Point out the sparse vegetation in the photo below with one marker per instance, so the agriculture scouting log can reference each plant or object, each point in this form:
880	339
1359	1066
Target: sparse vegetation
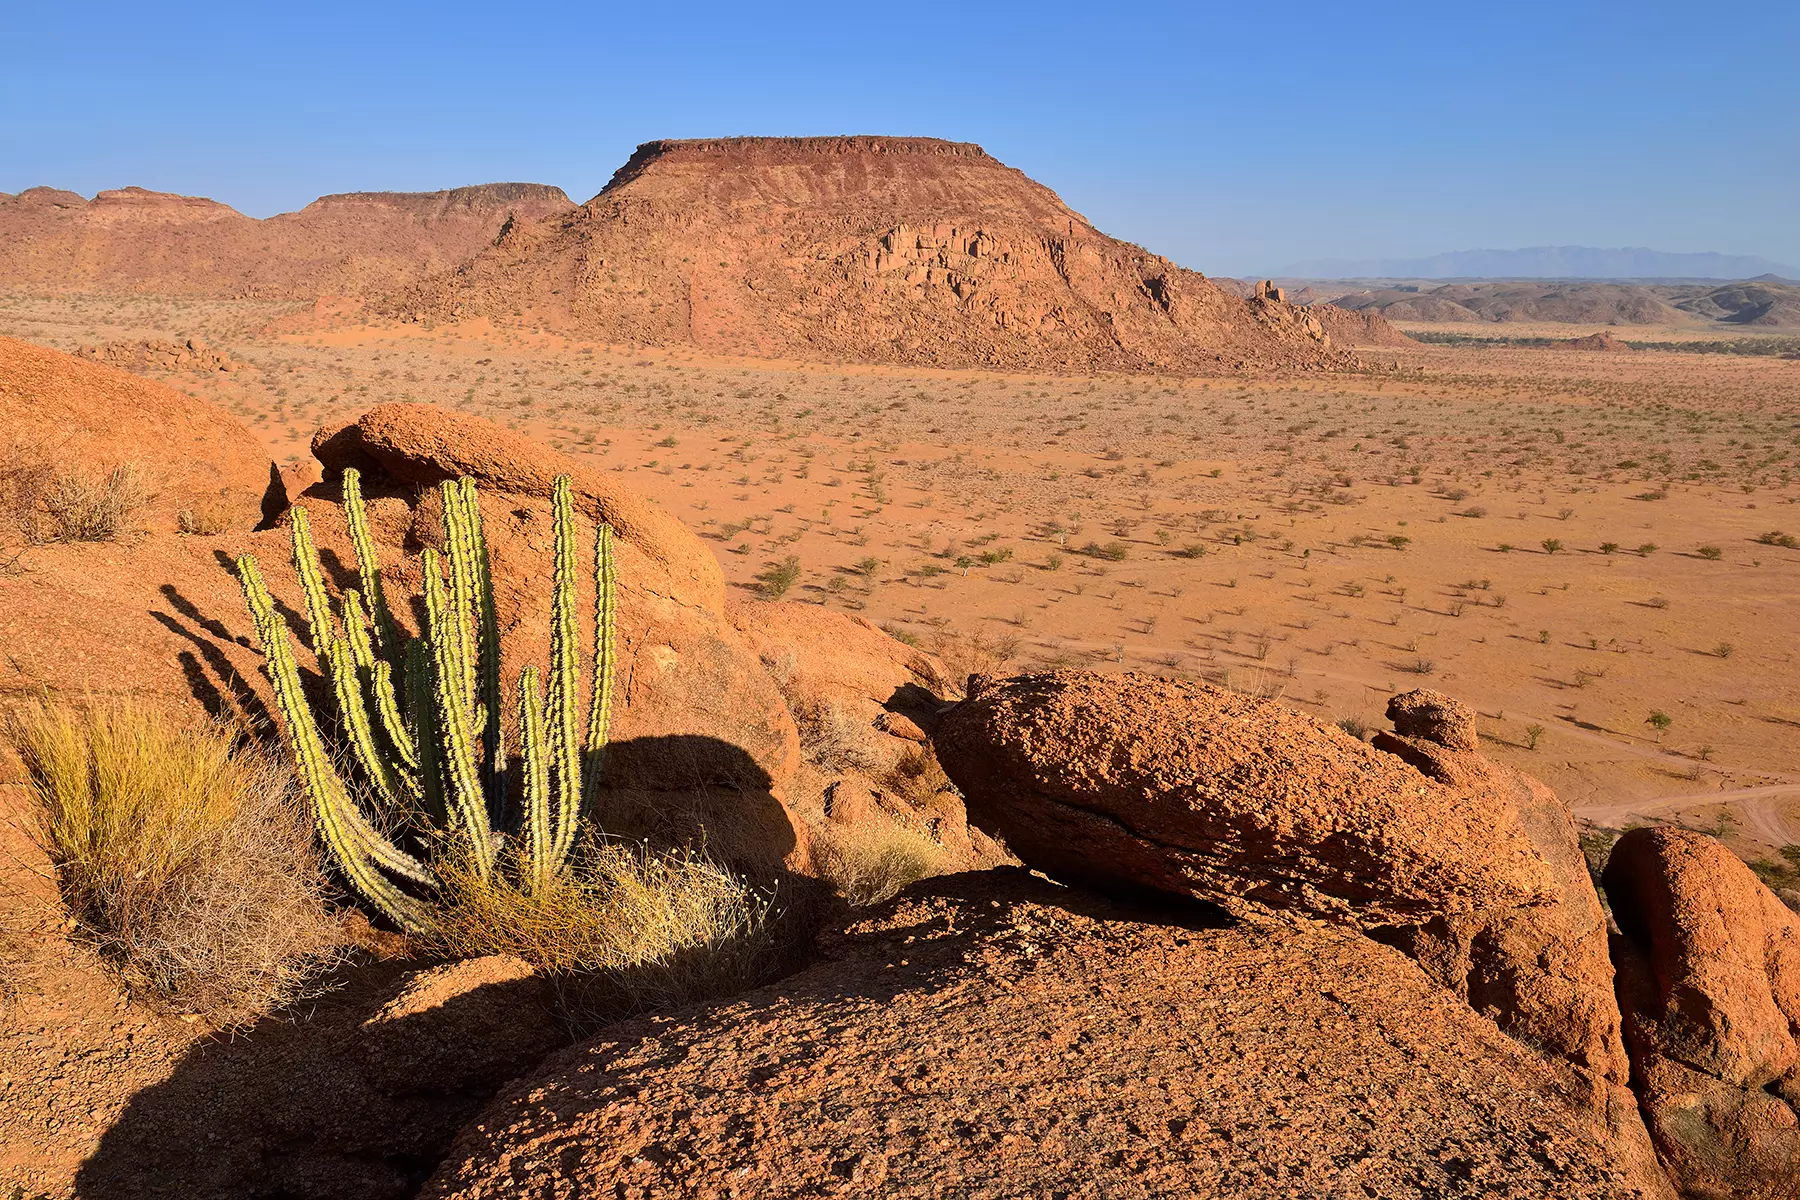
185	856
778	577
877	857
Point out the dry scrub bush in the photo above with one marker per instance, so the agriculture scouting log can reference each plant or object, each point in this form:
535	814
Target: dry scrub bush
625	929
876	858
207	517
969	654
44	502
831	737
185	858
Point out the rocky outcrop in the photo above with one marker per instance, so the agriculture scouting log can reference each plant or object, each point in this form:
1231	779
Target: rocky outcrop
1541	972
1709	984
1140	781
869	249
993	1035
354	1102
862	702
189	354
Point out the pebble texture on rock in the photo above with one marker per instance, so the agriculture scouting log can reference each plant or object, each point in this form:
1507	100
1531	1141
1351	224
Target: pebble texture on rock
993	1035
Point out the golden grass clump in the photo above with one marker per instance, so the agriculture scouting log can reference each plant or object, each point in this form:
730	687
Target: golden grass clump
876	858
185	857
626	929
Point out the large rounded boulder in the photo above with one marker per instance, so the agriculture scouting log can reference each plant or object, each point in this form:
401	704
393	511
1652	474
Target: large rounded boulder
1709	985
1138	781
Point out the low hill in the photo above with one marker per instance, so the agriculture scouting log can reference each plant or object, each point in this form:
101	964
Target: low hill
135	241
1760	305
869	249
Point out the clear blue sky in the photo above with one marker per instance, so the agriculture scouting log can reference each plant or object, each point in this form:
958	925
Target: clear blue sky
1234	138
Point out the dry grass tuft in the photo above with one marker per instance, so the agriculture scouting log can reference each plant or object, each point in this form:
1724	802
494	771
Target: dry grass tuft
966	654
628	929
831	737
876	858
209	516
46	503
186	859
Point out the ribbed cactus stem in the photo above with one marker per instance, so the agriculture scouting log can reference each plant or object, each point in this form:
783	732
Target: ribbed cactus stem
377	678
487	623
462	781
312	584
421	709
563	696
606	604
540	832
368	567
353	715
459	539
345	835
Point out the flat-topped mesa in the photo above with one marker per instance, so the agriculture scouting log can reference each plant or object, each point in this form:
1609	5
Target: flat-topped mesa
865	249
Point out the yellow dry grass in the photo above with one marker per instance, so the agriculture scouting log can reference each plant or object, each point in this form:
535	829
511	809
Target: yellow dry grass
184	856
876	858
627	928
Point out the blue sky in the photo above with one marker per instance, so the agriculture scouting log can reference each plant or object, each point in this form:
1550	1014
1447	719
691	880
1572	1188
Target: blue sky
1234	138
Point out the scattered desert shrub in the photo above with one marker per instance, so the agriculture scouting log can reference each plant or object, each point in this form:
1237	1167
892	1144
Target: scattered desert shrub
966	654
876	858
185	857
624	928
831	737
778	577
46	502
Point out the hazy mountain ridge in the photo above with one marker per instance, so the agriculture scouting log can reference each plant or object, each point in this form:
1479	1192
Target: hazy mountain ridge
1548	262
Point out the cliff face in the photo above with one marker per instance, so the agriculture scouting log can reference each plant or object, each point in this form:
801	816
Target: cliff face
904	250
364	243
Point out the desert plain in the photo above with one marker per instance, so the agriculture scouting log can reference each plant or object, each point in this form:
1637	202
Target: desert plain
1594	549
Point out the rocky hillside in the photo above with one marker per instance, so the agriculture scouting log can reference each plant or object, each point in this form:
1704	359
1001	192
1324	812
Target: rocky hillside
136	241
862	249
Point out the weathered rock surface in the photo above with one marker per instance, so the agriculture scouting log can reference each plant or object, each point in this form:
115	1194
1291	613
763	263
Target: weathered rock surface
993	1035
1140	781
1709	984
862	701
352	1103
1541	971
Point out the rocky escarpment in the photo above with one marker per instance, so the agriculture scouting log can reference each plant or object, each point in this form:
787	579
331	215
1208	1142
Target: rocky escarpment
131	240
877	249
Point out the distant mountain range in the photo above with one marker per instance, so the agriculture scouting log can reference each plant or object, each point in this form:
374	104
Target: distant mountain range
1546	262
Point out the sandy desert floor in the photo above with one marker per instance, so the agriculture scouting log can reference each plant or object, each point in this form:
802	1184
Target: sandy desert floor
1573	542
